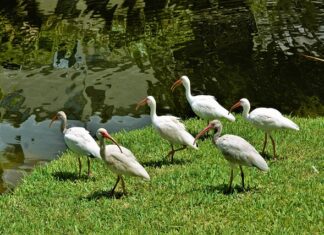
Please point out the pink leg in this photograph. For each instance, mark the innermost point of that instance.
(230, 182)
(79, 167)
(171, 153)
(113, 189)
(123, 185)
(274, 147)
(89, 169)
(242, 176)
(265, 142)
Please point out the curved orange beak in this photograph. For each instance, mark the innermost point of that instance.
(203, 132)
(176, 84)
(236, 105)
(141, 103)
(107, 136)
(53, 120)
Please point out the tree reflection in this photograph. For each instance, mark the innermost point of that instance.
(67, 9)
(229, 49)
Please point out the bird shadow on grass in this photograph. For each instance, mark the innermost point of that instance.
(165, 162)
(267, 157)
(70, 176)
(223, 189)
(103, 194)
(270, 158)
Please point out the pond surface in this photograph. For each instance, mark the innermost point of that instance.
(95, 59)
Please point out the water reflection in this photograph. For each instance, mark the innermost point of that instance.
(35, 143)
(23, 147)
(95, 59)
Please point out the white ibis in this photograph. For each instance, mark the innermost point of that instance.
(267, 119)
(119, 160)
(78, 140)
(204, 106)
(169, 128)
(236, 150)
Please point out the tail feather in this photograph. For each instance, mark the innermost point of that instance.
(188, 140)
(95, 154)
(194, 146)
(230, 117)
(141, 172)
(145, 175)
(261, 164)
(291, 125)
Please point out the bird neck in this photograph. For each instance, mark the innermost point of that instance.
(153, 114)
(63, 125)
(246, 110)
(188, 93)
(102, 146)
(217, 134)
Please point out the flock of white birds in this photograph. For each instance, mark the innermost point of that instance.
(236, 150)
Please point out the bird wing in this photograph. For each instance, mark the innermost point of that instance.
(269, 118)
(238, 150)
(114, 148)
(122, 163)
(171, 122)
(209, 108)
(205, 97)
(270, 112)
(266, 118)
(170, 128)
(80, 141)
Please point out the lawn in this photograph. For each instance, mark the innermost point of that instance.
(186, 197)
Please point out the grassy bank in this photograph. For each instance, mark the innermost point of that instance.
(184, 197)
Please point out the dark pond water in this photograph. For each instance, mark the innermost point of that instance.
(95, 59)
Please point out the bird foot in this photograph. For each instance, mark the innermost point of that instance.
(170, 154)
(115, 195)
(274, 158)
(110, 193)
(228, 191)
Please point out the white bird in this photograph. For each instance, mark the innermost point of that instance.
(78, 140)
(169, 128)
(236, 150)
(266, 119)
(204, 106)
(119, 160)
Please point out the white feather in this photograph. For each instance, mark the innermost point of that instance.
(205, 106)
(208, 108)
(124, 163)
(269, 119)
(238, 151)
(80, 141)
(171, 129)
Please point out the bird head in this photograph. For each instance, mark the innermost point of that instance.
(183, 80)
(59, 116)
(242, 102)
(148, 100)
(103, 134)
(215, 124)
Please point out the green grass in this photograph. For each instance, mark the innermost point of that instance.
(186, 197)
